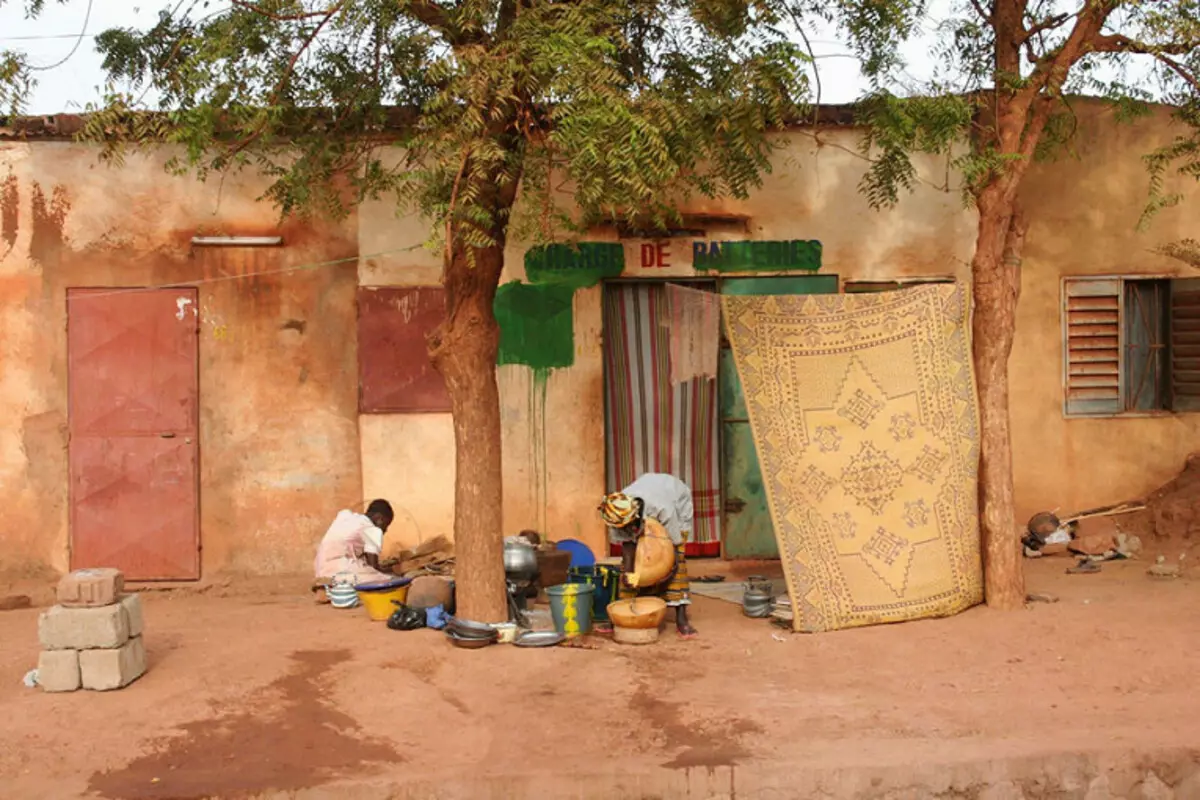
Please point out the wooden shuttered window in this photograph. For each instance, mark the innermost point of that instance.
(1092, 346)
(395, 375)
(1184, 345)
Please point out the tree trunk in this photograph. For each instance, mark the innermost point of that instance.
(996, 280)
(464, 350)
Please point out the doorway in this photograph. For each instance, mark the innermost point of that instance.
(133, 389)
(660, 393)
(749, 533)
(697, 430)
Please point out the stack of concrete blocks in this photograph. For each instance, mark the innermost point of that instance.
(93, 638)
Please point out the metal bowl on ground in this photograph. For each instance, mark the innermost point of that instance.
(539, 639)
(466, 642)
(468, 629)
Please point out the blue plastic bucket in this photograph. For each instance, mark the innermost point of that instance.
(605, 578)
(571, 608)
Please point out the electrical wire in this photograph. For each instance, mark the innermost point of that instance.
(222, 278)
(87, 16)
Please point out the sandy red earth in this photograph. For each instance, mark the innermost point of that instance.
(255, 691)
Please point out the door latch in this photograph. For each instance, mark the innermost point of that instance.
(734, 505)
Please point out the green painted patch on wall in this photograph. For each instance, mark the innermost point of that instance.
(578, 265)
(537, 325)
(752, 256)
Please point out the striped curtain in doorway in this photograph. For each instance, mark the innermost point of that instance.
(651, 424)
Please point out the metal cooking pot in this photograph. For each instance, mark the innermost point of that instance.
(520, 561)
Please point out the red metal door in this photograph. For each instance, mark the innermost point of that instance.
(133, 388)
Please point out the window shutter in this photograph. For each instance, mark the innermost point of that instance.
(1185, 345)
(1092, 346)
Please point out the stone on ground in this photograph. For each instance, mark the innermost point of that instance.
(104, 670)
(61, 628)
(87, 588)
(58, 670)
(131, 604)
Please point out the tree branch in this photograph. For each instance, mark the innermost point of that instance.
(981, 11)
(329, 14)
(1116, 43)
(1048, 24)
(1180, 70)
(246, 6)
(505, 17)
(429, 13)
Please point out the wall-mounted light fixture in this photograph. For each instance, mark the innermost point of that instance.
(237, 241)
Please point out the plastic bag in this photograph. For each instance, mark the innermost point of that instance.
(435, 617)
(405, 618)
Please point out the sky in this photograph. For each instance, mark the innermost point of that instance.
(60, 41)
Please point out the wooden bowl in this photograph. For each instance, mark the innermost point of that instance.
(635, 635)
(645, 612)
(655, 556)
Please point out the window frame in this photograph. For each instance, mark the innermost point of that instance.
(1121, 279)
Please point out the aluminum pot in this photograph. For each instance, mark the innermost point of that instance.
(520, 561)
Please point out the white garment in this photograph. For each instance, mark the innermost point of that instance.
(341, 549)
(667, 499)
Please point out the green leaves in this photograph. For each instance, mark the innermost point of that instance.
(598, 110)
(898, 127)
(16, 80)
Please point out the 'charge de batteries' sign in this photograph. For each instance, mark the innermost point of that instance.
(734, 256)
(586, 263)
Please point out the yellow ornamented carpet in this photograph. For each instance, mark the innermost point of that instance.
(864, 415)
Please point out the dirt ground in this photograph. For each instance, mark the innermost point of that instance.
(262, 693)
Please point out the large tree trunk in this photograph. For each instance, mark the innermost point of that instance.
(464, 350)
(996, 280)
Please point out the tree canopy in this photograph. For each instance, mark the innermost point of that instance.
(631, 105)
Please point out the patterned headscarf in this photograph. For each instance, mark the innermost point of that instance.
(618, 509)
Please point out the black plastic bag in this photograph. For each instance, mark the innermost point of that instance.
(405, 618)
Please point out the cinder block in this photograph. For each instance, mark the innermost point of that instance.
(88, 588)
(58, 670)
(132, 604)
(62, 628)
(104, 670)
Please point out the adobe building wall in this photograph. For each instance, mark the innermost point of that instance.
(277, 366)
(1083, 208)
(553, 446)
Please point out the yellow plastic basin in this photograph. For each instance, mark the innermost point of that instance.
(378, 602)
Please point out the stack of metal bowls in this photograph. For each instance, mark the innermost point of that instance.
(470, 635)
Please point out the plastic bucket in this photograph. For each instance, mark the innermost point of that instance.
(381, 603)
(604, 578)
(571, 608)
(379, 599)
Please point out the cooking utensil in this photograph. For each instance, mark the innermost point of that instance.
(467, 643)
(539, 639)
(466, 629)
(640, 612)
(520, 561)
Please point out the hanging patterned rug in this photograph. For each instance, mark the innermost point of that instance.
(863, 413)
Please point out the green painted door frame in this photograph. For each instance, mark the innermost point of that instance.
(746, 526)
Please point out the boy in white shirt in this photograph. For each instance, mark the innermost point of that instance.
(352, 545)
